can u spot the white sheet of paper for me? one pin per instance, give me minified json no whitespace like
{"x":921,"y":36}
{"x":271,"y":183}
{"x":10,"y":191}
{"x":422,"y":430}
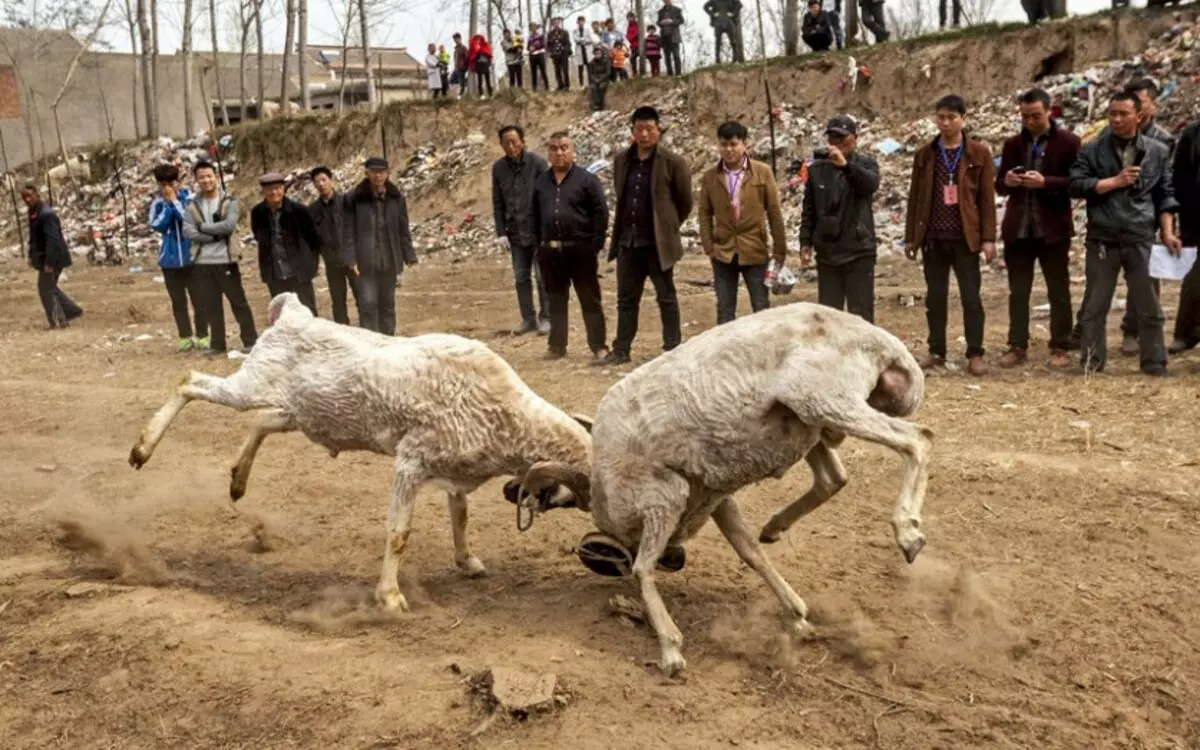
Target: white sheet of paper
{"x":1163,"y":265}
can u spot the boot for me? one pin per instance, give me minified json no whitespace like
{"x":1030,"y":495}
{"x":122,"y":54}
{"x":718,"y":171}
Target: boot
{"x":1014,"y":356}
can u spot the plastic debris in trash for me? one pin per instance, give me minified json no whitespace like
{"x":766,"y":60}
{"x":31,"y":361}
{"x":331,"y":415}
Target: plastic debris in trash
{"x":888,"y":146}
{"x":597,"y":166}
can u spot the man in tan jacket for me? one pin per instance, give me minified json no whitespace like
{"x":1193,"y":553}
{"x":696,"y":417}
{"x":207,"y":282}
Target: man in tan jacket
{"x":951,"y":221}
{"x":738,"y":201}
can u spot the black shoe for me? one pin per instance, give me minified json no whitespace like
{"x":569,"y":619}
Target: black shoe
{"x":614,"y":357}
{"x":216,"y":352}
{"x":553,"y":353}
{"x":1156,"y":371}
{"x":1179,"y":346}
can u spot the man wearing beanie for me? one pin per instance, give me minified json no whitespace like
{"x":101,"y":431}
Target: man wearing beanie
{"x":378,"y":245}
{"x":288,"y":243}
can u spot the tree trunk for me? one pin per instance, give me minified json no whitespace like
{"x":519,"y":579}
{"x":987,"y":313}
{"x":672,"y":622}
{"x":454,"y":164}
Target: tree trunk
{"x":302,"y":54}
{"x":288,"y":35}
{"x":473,"y":21}
{"x":349,"y":24}
{"x":147,"y":72}
{"x":189,"y":124}
{"x":372,"y":98}
{"x":851,"y":21}
{"x":791,"y":27}
{"x":244,"y":56}
{"x":154,"y":59}
{"x":762,"y":34}
{"x":12,"y":192}
{"x":212,"y":22}
{"x":131,"y":22}
{"x":66,"y":84}
{"x":262,"y":83}
{"x":1058,"y":9}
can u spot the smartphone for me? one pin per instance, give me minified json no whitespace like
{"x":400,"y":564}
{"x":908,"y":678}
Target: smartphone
{"x":1018,"y":170}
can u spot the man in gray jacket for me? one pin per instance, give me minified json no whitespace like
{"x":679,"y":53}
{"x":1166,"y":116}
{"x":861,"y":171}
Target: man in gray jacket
{"x":328,"y":211}
{"x":378,"y":245}
{"x":210,"y":222}
{"x":1126,"y":179}
{"x":838,"y":221}
{"x":512,"y":192}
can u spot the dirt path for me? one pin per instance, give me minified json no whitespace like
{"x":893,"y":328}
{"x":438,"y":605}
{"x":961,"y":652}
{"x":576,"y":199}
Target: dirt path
{"x":1054,"y":606}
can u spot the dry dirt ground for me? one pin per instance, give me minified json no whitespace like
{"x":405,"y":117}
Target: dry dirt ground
{"x":1055,"y":606}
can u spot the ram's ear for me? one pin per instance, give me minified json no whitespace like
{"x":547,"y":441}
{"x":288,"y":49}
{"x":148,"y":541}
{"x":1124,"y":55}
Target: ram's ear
{"x":585,"y":421}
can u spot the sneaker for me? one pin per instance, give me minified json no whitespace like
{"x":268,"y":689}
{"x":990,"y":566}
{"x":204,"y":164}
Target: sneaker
{"x":1015,"y":355}
{"x":543,"y":327}
{"x":1129,"y":345}
{"x":1179,"y":346}
{"x":611,"y":359}
{"x":527,"y":326}
{"x":186,"y":345}
{"x":932,"y":362}
{"x":976,"y":366}
{"x":215,"y":353}
{"x":1059,"y":360}
{"x":203,"y":342}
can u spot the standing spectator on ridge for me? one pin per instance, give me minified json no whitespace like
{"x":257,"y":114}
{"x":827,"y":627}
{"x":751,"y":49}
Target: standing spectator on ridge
{"x":558,"y":46}
{"x":175,"y":260}
{"x":570,"y":217}
{"x":618,"y":61}
{"x":956,"y":7}
{"x":1185,"y":179}
{"x":951,"y":221}
{"x":632,"y":37}
{"x":838,"y":222}
{"x":670,"y":19}
{"x":462,"y":64}
{"x":873,"y":18}
{"x":817,"y":27}
{"x":328,"y":212}
{"x":1125,"y":177}
{"x":512,"y":59}
{"x":48,"y":254}
{"x":480,"y":61}
{"x":513,"y":176}
{"x":444,"y":69}
{"x":211,"y":223}
{"x":599,"y":76}
{"x":288,"y":245}
{"x":378,"y":245}
{"x":653,"y":191}
{"x":537,"y":57}
{"x":739,"y":200}
{"x":433,"y":72}
{"x":835,"y":16}
{"x":584,"y":39}
{"x":1035,"y":170}
{"x":653,"y":50}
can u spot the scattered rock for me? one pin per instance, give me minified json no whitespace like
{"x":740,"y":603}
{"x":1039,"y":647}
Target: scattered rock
{"x":48,"y":468}
{"x":514,"y":691}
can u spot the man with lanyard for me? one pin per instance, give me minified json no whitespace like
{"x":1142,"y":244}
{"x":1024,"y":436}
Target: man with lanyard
{"x":951,"y":221}
{"x":1034,"y":174}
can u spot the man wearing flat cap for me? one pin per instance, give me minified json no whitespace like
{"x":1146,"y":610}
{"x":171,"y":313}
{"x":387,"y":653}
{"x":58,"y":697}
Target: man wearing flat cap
{"x":378,"y":245}
{"x":288,"y":243}
{"x":838,"y":221}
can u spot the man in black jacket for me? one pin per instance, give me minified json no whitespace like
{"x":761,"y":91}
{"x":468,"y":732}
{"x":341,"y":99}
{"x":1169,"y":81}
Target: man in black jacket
{"x":838,"y":221}
{"x":817,"y":27}
{"x":48,"y":254}
{"x":327,"y":212}
{"x":513,"y":176}
{"x":570,"y":217}
{"x":378,"y":245}
{"x":670,"y":18}
{"x":288,"y":244}
{"x":1126,"y":179}
{"x":1186,"y":182}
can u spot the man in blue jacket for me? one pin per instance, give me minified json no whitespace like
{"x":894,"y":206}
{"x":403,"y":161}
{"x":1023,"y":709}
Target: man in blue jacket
{"x":167,"y":213}
{"x":48,"y":253}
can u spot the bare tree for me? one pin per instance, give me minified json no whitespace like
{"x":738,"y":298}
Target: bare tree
{"x":186,"y":48}
{"x":154,"y":51}
{"x":975,"y":12}
{"x":791,"y":27}
{"x":372,"y":100}
{"x":131,"y":24}
{"x":302,"y":54}
{"x":216,"y":56}
{"x":262,"y":62}
{"x":66,"y":82}
{"x":288,"y":36}
{"x":148,"y":90}
{"x":244,"y":20}
{"x":851,"y":30}
{"x":910,"y":18}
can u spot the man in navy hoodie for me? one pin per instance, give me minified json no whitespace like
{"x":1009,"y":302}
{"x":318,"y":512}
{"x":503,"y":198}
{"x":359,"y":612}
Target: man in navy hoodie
{"x":167,"y":213}
{"x":48,"y":254}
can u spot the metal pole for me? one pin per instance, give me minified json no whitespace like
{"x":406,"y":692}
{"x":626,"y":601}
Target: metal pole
{"x":771,"y":125}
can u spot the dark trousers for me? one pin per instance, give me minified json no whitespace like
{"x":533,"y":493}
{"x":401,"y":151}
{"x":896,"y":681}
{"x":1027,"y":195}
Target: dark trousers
{"x":583,"y":61}
{"x":302,"y":289}
{"x":181,"y":286}
{"x":562,"y":269}
{"x":525,"y":270}
{"x":1129,"y":323}
{"x":654,"y":65}
{"x":537,"y":66}
{"x":1187,"y":320}
{"x":1019,"y":258}
{"x":956,"y":8}
{"x":1104,"y":266}
{"x":872,"y":17}
{"x":818,"y":42}
{"x":848,"y":286}
{"x":726,"y":29}
{"x":725,"y":283}
{"x":516,"y":76}
{"x":340,"y":278}
{"x":377,"y":301}
{"x":464,"y":77}
{"x":483,"y":76}
{"x":674,"y":61}
{"x":634,"y":266}
{"x":215,"y":284}
{"x":60,"y":309}
{"x":598,"y":96}
{"x":562,"y":72}
{"x":940,"y":257}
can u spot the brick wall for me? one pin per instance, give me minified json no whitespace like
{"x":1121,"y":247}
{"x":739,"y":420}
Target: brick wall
{"x":10,"y":102}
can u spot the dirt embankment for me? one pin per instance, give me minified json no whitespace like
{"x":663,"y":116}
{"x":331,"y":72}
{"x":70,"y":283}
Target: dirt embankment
{"x":906,"y":76}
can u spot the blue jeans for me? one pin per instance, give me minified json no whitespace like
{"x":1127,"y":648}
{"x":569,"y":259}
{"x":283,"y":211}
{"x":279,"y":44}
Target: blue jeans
{"x":524,"y":263}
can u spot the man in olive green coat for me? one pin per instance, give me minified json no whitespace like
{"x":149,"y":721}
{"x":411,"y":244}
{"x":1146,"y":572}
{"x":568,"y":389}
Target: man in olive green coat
{"x":739,"y":201}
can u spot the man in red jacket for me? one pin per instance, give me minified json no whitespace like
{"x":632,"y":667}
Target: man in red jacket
{"x":1034,"y":173}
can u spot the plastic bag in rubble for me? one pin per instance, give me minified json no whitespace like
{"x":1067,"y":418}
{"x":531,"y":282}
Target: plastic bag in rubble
{"x":597,"y":166}
{"x":780,"y":278}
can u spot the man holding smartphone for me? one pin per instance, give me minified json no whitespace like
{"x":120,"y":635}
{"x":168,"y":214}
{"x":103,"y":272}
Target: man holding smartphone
{"x":1126,"y":179}
{"x":1034,"y":173}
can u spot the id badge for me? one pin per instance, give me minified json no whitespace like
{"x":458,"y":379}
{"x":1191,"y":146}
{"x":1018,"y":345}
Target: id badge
{"x":950,"y":195}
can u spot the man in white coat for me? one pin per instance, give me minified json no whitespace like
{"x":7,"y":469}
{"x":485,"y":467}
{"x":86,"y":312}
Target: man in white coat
{"x":433,"y":73}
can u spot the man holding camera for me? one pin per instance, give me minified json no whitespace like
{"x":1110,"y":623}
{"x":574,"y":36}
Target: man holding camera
{"x":838,"y":224}
{"x":1034,"y":174}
